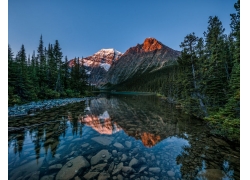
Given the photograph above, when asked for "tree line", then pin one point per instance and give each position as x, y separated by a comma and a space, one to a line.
44, 75
205, 80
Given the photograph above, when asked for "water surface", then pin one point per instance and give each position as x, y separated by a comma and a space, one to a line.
118, 137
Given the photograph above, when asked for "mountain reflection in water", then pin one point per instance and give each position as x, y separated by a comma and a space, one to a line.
119, 137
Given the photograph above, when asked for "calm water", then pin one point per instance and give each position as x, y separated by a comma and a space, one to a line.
118, 137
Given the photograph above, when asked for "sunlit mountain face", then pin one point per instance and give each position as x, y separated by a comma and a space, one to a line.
122, 136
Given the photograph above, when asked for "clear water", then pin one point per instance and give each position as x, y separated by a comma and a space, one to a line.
120, 137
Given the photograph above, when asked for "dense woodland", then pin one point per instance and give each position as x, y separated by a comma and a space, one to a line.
44, 75
205, 80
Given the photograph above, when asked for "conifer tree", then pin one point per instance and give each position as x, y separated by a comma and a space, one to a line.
215, 76
57, 54
42, 64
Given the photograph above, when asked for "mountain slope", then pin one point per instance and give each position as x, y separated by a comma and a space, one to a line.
149, 56
98, 64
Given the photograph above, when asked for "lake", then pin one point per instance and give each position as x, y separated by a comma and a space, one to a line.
118, 137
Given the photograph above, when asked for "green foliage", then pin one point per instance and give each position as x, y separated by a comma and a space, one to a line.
44, 76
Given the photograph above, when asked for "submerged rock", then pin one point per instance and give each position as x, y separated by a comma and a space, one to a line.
100, 156
118, 145
120, 177
111, 167
99, 167
124, 157
118, 168
103, 176
47, 177
133, 162
154, 169
71, 168
128, 144
91, 175
103, 140
171, 173
55, 166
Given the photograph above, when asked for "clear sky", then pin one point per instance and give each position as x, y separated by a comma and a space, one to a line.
83, 27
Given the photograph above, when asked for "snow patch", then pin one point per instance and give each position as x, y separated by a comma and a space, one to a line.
106, 66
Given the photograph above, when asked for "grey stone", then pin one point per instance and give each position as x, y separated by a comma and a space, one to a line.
171, 173
154, 169
56, 166
99, 167
103, 176
68, 172
100, 157
124, 157
77, 178
111, 167
120, 177
133, 162
128, 144
91, 175
47, 177
118, 145
114, 152
103, 140
85, 145
127, 169
117, 169
132, 176
142, 168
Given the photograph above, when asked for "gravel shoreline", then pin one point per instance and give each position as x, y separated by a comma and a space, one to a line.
32, 107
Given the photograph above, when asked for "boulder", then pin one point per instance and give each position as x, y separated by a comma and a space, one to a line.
71, 168
100, 156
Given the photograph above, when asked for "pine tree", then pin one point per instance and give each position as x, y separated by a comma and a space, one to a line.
42, 64
13, 98
24, 86
215, 74
66, 74
58, 60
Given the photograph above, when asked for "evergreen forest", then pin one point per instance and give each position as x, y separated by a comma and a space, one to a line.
44, 75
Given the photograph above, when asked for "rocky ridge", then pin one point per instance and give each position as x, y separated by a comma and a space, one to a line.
111, 66
98, 64
149, 56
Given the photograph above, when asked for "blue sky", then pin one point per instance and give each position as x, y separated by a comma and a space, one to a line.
84, 27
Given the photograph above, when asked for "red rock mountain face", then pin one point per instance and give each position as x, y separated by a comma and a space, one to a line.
149, 44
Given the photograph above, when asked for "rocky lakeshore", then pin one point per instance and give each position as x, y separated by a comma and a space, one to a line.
33, 107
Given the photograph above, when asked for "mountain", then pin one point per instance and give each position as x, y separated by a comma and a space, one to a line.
98, 64
147, 57
109, 66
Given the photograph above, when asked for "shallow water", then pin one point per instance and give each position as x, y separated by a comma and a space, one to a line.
118, 137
